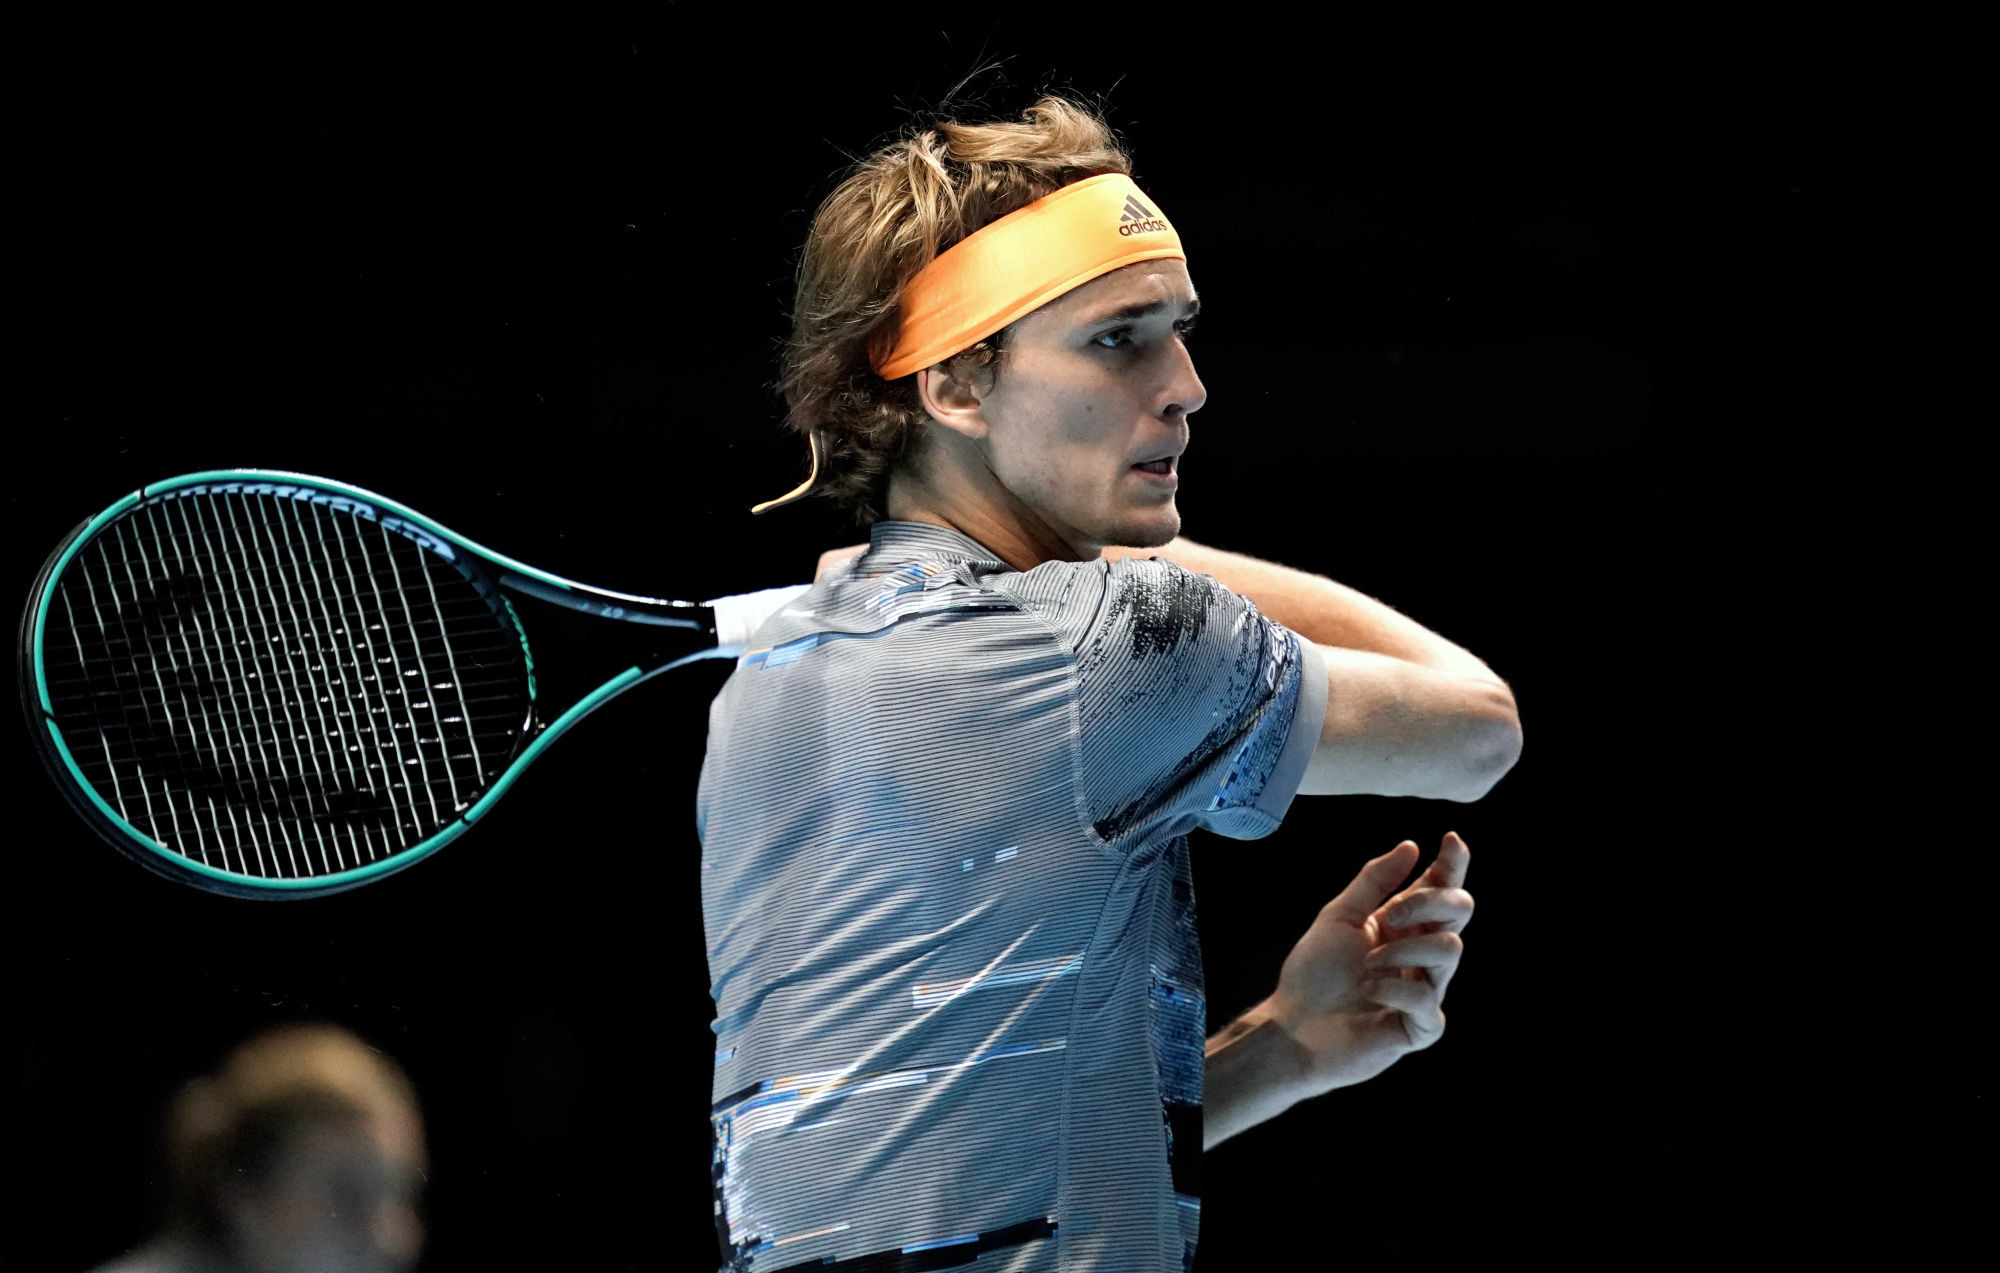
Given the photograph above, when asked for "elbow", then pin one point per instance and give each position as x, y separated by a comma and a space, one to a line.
1493, 749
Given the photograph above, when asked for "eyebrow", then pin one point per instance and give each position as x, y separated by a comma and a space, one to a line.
1131, 312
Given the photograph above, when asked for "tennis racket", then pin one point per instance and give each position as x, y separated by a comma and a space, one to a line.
271, 685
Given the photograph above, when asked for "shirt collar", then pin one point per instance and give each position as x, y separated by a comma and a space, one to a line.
892, 544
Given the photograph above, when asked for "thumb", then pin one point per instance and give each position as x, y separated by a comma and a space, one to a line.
1373, 884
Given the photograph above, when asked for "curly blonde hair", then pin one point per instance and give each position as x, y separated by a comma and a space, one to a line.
893, 214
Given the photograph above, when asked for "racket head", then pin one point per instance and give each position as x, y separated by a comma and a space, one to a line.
273, 685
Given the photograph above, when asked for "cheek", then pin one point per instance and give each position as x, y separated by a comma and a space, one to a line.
1065, 467
1082, 430
1063, 446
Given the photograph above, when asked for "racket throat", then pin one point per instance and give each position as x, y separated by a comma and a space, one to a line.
654, 611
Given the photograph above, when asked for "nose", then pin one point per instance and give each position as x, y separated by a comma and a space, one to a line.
1184, 387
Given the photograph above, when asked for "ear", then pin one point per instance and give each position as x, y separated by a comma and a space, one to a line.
953, 402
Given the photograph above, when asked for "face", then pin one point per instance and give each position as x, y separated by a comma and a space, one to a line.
341, 1200
1089, 391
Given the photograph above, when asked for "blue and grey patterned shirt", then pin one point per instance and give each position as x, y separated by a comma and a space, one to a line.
951, 941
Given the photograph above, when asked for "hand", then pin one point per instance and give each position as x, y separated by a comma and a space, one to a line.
1366, 982
834, 556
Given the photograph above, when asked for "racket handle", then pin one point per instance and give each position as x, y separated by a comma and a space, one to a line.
737, 617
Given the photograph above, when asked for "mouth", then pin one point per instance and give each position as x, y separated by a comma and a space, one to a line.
1161, 473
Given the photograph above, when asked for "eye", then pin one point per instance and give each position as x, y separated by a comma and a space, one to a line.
1185, 327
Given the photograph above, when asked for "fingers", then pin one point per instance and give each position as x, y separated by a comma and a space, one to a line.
1453, 857
1438, 896
1425, 950
1390, 862
1417, 1006
1450, 907
1439, 899
1377, 880
1403, 996
1372, 885
1432, 956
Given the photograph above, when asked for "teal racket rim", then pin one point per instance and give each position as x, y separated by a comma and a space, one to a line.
84, 793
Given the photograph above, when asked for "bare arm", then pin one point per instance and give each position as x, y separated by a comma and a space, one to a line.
1319, 609
1409, 713
1251, 1073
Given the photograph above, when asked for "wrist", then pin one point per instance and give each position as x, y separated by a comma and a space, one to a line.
1252, 1074
1290, 1065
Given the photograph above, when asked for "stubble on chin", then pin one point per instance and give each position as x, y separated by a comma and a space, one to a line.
1150, 532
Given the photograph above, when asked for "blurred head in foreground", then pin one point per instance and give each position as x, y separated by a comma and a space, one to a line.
303, 1152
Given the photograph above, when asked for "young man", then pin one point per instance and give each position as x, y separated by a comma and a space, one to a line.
948, 789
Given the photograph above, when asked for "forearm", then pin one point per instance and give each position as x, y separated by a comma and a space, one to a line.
1251, 1074
1320, 609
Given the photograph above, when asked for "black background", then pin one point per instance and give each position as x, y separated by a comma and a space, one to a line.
1498, 328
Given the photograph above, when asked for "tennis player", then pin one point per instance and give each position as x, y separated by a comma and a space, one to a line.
948, 789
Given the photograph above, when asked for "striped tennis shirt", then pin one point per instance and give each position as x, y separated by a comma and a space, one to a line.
944, 816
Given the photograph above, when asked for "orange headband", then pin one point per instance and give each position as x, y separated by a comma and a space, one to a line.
1009, 269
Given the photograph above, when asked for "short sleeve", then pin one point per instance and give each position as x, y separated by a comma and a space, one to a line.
1195, 709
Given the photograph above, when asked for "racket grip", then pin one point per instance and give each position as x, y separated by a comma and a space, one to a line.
738, 617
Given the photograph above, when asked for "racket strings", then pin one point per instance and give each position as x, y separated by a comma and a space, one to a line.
277, 688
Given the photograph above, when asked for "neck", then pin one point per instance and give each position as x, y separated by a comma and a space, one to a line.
986, 513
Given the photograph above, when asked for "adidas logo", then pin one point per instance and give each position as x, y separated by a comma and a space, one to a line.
1138, 218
